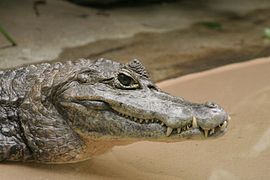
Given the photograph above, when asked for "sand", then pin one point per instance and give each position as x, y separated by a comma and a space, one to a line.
243, 153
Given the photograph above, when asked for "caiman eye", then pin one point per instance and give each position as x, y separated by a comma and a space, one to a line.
126, 81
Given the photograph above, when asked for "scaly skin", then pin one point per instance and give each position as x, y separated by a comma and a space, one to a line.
68, 112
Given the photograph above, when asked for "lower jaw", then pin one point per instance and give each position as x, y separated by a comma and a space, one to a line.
193, 133
197, 134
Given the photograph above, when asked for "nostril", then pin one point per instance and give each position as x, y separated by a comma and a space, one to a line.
211, 105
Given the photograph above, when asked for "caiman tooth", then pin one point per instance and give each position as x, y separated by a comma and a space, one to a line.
178, 130
224, 125
212, 131
152, 120
146, 120
206, 132
135, 119
162, 123
141, 120
194, 122
169, 131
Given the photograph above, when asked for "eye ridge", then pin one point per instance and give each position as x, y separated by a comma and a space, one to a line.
82, 78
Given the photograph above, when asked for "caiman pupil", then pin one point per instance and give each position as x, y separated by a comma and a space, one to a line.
125, 80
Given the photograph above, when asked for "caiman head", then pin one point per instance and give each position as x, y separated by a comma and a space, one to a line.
120, 100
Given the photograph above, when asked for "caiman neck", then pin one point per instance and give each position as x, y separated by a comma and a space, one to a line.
94, 146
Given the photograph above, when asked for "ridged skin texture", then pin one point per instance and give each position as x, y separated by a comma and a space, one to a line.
31, 129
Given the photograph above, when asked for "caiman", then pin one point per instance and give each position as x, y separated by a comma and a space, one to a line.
72, 111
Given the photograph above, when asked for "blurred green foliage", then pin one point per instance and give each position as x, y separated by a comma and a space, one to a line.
7, 36
212, 25
267, 33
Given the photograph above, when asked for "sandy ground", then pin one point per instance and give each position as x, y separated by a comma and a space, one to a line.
171, 37
61, 24
243, 153
179, 52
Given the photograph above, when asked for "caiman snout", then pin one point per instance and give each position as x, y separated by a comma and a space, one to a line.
211, 118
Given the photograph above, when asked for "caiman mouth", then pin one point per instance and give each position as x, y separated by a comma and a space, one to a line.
187, 129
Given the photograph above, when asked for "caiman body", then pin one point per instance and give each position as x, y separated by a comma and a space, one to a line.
68, 112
